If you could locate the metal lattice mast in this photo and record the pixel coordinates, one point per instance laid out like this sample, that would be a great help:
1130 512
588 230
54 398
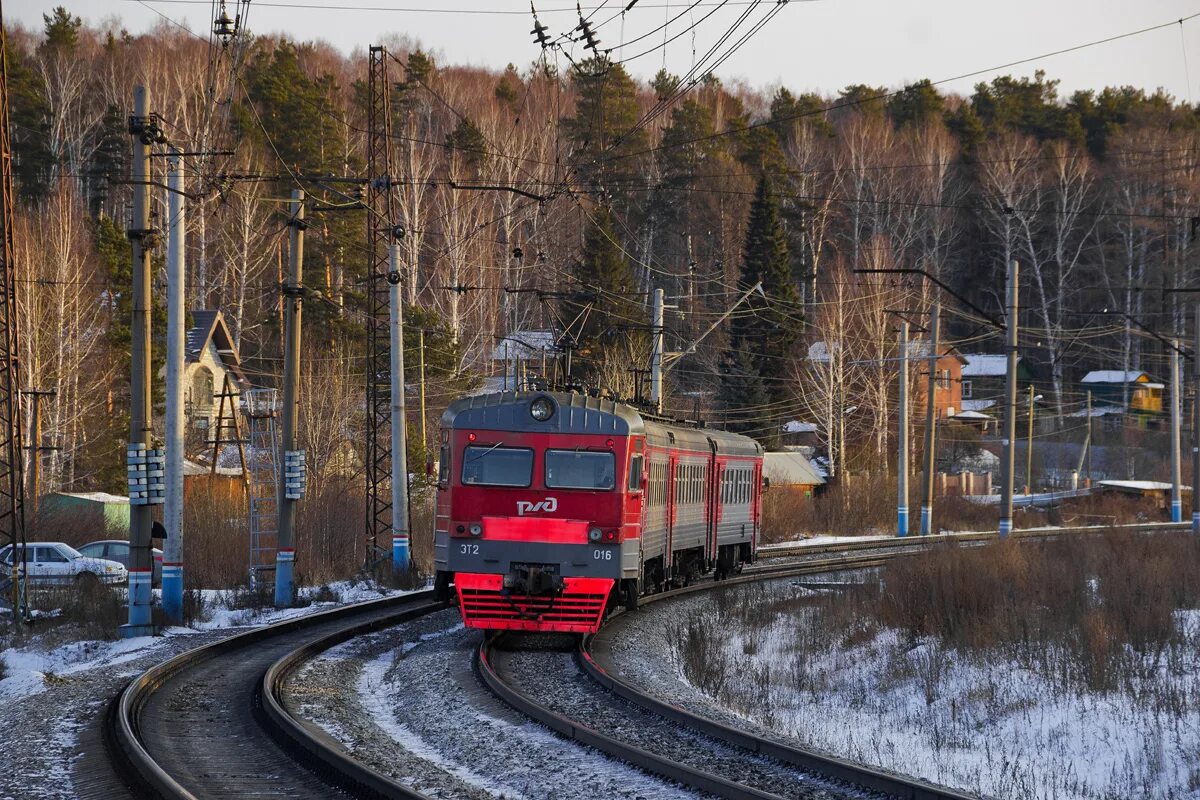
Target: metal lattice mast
262 408
12 482
380 227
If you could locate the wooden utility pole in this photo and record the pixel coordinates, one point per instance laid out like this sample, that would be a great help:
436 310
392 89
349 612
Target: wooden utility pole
930 422
291 464
145 487
1010 403
36 449
421 359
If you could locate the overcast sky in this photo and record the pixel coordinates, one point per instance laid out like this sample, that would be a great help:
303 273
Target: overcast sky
820 45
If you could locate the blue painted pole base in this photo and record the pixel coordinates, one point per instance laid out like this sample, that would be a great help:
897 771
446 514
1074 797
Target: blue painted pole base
926 520
400 554
1176 511
1005 527
172 593
902 520
285 586
1196 522
141 599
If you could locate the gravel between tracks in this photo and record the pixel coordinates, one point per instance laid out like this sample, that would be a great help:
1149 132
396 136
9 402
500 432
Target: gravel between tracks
408 703
553 678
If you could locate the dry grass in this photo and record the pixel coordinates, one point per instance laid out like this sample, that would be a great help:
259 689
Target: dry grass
867 506
1088 610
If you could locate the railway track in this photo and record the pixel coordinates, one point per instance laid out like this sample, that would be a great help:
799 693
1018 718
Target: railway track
677 744
212 722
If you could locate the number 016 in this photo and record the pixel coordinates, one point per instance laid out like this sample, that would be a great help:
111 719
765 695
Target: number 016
602 555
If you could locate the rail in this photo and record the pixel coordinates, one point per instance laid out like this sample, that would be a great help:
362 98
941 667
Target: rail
124 723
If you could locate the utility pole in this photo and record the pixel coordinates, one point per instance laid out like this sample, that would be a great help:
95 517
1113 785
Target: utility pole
293 292
421 360
930 422
1029 447
1010 402
172 568
144 485
1195 425
399 440
1176 413
34 493
902 438
656 356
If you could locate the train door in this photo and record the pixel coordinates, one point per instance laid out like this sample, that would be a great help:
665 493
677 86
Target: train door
669 490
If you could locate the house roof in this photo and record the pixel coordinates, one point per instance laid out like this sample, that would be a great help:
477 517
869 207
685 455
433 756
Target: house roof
977 405
791 469
209 326
796 426
966 414
524 345
1118 376
985 365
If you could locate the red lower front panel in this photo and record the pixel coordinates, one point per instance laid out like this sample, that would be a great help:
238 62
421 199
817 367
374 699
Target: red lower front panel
578 609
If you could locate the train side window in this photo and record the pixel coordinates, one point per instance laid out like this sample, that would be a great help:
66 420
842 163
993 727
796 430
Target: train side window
444 465
635 473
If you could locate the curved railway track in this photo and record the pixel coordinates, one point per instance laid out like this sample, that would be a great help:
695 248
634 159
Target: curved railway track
729 763
212 722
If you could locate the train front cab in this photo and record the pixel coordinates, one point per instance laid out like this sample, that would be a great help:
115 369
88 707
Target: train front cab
539 505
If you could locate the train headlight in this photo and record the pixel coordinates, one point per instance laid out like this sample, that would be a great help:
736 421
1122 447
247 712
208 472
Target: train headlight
541 409
476 529
594 535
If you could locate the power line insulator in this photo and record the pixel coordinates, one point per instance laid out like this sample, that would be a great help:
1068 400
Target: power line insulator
539 30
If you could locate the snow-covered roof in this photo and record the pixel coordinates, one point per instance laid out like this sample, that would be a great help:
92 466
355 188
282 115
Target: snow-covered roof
819 351
1140 486
796 426
791 469
964 414
524 345
209 325
1113 376
194 468
96 497
1098 411
977 405
985 365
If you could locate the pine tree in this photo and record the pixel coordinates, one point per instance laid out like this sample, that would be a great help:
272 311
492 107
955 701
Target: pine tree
766 329
606 280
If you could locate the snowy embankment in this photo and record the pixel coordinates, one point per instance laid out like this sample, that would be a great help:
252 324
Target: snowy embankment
981 722
52 683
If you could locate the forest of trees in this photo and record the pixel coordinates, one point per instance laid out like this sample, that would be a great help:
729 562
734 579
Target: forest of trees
1097 195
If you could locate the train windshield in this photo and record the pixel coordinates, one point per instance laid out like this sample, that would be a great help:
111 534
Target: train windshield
497 466
580 469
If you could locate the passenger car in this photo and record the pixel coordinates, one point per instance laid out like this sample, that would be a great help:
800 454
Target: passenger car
552 506
118 550
54 563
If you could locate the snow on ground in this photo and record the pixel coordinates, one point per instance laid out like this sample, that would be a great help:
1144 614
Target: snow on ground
822 539
39 660
55 683
983 724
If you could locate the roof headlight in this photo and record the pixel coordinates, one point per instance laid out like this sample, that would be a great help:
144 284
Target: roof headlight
594 534
541 409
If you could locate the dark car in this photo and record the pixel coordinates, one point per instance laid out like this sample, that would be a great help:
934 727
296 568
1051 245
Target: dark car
118 550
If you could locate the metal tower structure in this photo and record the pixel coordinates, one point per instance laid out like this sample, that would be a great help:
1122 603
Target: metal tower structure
12 482
262 407
381 231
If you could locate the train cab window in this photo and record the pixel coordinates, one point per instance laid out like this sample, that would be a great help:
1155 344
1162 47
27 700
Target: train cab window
497 466
580 469
635 473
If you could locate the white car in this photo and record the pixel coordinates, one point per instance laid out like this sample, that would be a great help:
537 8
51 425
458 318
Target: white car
54 563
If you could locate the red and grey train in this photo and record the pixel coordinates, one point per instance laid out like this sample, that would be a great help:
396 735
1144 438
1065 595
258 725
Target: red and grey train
552 506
